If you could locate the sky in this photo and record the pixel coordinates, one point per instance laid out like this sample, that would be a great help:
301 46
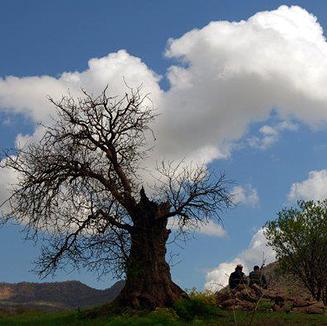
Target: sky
239 85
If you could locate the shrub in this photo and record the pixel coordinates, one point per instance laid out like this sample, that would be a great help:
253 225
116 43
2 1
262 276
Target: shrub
207 297
190 308
265 305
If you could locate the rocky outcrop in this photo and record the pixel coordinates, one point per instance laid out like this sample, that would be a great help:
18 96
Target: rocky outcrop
255 298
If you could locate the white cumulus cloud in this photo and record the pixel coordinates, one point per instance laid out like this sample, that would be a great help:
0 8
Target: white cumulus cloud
270 134
313 188
28 95
230 75
227 76
210 228
253 255
235 73
245 195
8 178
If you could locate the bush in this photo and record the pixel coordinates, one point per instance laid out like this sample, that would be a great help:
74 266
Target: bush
164 313
265 305
207 297
196 306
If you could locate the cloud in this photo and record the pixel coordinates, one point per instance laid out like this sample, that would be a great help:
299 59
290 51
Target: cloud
210 228
245 195
234 73
270 134
313 188
28 95
227 76
8 178
257 249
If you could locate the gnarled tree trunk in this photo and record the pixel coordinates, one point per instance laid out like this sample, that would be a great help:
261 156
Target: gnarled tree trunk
148 279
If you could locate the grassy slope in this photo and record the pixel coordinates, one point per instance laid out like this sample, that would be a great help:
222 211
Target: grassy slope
199 310
163 318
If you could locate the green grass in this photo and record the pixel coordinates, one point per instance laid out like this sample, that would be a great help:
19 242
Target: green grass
199 310
163 317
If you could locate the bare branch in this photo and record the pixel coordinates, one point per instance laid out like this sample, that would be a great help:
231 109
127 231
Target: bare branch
79 191
193 194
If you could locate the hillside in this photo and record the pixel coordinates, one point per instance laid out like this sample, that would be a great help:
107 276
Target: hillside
285 283
54 296
285 293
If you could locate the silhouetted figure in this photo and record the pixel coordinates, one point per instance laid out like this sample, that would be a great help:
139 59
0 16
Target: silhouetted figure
257 277
237 278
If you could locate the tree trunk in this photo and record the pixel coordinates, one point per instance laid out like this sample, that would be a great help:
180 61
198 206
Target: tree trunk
148 280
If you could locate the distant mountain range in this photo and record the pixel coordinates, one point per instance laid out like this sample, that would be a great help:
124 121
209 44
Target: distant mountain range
54 296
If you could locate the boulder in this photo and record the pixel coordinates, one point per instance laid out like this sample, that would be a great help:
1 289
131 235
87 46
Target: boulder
247 295
229 303
298 302
313 309
222 296
246 306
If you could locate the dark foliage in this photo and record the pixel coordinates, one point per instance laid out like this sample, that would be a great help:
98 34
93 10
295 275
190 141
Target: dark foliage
299 237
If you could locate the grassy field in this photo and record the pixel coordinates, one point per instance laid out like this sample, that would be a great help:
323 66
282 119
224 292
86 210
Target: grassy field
200 309
163 317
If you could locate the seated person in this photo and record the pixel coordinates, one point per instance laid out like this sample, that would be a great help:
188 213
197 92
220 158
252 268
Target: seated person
237 278
257 277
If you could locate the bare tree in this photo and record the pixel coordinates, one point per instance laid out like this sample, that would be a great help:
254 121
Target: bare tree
80 187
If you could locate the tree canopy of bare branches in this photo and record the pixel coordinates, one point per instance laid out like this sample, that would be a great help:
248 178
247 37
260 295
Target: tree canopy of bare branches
81 188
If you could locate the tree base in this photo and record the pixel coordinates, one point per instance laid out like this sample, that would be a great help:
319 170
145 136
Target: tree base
151 298
132 302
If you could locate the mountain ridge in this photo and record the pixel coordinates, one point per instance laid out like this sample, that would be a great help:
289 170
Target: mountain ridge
54 295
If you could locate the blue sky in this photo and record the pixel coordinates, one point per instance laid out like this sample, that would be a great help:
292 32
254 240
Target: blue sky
48 38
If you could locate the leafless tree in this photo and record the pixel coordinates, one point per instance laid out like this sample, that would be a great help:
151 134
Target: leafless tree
81 188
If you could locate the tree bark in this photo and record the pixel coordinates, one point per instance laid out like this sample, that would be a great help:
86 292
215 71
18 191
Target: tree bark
148 279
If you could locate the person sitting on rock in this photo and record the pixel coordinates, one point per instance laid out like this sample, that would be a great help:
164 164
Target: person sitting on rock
257 277
237 278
